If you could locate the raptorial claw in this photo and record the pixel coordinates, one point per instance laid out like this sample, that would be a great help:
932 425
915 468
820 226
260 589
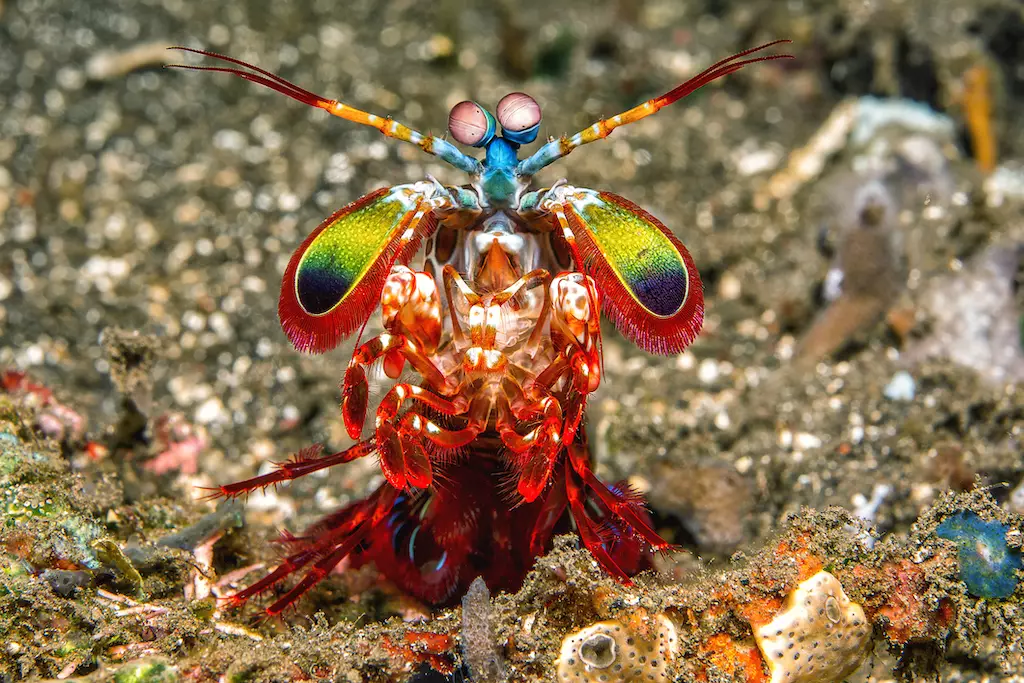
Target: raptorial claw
536 473
355 397
417 466
541 458
411 305
394 363
392 461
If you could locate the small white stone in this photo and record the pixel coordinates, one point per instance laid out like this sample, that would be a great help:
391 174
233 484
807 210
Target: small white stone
730 287
193 320
805 441
900 388
33 355
758 161
707 371
685 361
856 434
229 140
289 202
212 411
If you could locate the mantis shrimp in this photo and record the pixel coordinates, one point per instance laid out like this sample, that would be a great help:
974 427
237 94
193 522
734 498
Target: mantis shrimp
491 293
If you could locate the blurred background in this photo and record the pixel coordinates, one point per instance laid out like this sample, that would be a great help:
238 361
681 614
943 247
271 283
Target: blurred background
855 214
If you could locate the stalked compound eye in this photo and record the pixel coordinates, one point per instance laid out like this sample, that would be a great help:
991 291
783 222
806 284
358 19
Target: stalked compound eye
519 116
471 124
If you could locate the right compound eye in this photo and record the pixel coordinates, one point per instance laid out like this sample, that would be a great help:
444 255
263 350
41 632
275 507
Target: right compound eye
470 124
519 116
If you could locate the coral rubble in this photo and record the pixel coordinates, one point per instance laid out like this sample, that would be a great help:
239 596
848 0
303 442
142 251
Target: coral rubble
821 635
617 652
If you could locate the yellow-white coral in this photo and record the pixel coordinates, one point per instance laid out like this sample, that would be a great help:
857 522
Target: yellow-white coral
609 652
820 635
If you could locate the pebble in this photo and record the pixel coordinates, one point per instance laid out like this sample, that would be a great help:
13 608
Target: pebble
901 387
212 411
707 372
730 287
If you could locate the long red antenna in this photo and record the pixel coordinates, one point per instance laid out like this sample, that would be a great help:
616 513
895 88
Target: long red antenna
556 149
430 144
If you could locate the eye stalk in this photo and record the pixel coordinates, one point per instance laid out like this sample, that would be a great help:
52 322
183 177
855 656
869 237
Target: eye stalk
470 124
519 116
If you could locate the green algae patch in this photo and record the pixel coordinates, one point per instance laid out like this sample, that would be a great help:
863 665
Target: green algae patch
152 671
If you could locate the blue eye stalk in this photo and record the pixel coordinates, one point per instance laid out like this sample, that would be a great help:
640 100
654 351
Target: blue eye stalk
470 124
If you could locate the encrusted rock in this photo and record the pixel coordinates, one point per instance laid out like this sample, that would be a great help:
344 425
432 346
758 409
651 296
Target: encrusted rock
611 652
820 635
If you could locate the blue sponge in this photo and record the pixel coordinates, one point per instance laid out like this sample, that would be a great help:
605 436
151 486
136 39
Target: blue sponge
987 565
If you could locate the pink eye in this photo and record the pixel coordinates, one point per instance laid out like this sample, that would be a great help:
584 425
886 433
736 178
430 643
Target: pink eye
519 116
470 124
518 111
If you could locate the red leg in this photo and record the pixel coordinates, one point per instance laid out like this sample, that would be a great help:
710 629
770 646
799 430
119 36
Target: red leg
355 390
305 461
576 401
416 425
514 408
371 513
345 531
574 362
402 458
320 570
588 528
537 450
541 458
548 376
392 402
550 512
628 508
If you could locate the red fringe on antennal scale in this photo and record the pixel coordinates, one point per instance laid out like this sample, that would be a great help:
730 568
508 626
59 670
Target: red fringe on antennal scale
655 334
320 333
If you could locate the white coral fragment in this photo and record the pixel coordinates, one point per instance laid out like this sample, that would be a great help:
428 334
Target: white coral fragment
609 652
820 635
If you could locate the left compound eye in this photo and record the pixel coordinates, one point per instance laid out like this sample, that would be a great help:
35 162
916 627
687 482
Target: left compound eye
519 116
471 124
